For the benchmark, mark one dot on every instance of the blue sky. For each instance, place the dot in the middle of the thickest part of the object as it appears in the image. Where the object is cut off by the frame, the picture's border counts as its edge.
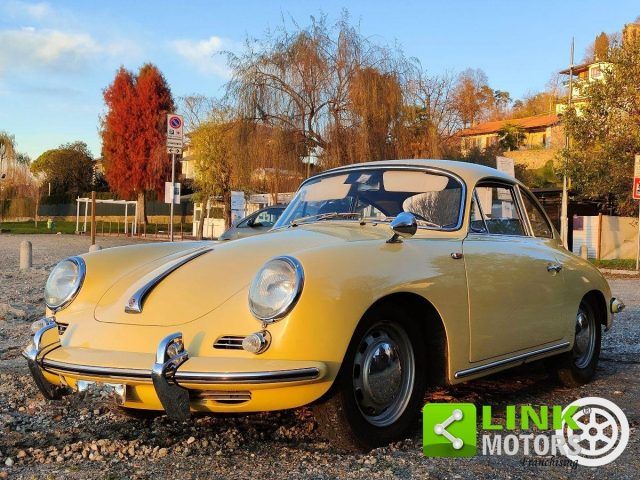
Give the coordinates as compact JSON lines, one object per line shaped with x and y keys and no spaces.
{"x":57,"y":57}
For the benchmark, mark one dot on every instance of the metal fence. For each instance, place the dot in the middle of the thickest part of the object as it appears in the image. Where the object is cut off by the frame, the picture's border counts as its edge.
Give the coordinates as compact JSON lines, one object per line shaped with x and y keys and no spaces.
{"x":25,"y":208}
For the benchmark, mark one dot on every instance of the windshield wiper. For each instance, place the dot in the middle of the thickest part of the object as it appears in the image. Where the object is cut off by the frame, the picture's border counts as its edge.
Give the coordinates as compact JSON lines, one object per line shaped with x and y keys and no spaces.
{"x":324,"y":216}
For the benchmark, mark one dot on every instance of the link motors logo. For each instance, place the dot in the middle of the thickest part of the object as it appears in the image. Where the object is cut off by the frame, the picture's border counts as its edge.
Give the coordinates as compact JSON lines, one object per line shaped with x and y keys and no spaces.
{"x":591,"y":431}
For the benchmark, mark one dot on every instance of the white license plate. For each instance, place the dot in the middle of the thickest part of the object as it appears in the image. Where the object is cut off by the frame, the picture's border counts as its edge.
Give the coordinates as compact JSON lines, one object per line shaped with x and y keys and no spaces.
{"x":115,"y":390}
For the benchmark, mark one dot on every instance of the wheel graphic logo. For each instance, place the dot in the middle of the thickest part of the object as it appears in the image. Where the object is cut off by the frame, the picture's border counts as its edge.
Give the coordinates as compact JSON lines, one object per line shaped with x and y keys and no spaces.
{"x":602,"y":435}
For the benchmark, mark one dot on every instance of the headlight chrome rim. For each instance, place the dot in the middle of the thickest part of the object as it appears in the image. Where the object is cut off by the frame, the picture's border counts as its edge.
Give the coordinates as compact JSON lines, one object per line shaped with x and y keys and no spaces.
{"x":77,"y":284}
{"x":282,"y":312}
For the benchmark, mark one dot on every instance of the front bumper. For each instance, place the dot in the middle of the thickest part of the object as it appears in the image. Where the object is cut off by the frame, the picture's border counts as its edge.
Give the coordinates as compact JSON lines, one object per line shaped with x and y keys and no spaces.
{"x":174,"y":382}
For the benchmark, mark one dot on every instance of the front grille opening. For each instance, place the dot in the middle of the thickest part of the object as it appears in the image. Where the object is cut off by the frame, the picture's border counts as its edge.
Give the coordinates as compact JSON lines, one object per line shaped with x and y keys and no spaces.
{"x":221,"y":396}
{"x":62,"y":327}
{"x":229,"y":342}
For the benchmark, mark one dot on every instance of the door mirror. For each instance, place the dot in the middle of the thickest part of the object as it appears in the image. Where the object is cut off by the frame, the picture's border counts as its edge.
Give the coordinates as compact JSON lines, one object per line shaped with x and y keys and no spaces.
{"x":403,"y":226}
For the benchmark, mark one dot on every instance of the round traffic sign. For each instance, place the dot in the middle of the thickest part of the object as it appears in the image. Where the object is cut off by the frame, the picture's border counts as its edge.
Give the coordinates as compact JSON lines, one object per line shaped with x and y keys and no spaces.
{"x":175,"y":122}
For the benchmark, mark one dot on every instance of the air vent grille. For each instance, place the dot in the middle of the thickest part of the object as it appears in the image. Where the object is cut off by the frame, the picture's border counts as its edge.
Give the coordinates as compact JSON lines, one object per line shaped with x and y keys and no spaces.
{"x":222,"y":396}
{"x":229,"y":342}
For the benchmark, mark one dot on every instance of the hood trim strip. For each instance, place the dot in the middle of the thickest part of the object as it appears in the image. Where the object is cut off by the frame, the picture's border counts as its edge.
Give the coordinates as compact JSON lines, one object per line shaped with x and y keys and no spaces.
{"x":136,"y":302}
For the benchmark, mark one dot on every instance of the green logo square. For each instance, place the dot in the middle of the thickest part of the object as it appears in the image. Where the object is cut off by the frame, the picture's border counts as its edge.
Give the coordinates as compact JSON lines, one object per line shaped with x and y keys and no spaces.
{"x":449,"y":429}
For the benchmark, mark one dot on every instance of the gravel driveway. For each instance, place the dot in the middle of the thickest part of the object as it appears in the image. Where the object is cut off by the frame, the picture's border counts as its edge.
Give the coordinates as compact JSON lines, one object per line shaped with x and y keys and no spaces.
{"x":88,"y":438}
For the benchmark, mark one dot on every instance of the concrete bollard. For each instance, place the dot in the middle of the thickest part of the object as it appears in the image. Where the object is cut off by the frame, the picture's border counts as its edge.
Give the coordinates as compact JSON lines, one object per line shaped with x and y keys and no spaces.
{"x":25,"y":255}
{"x":584,"y":253}
{"x":95,"y":248}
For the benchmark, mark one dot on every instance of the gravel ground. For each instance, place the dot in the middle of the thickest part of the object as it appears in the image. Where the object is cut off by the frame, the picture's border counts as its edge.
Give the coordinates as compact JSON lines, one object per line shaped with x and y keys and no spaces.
{"x":88,"y":438}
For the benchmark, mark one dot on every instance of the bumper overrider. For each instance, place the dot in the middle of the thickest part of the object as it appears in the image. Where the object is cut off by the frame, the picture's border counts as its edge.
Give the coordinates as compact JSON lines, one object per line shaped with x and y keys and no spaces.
{"x":168,"y":374}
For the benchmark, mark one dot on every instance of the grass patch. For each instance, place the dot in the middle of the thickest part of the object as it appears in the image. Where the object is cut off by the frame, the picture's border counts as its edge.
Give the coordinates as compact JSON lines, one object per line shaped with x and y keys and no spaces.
{"x":616,"y":264}
{"x":29,"y":227}
{"x":102,"y":228}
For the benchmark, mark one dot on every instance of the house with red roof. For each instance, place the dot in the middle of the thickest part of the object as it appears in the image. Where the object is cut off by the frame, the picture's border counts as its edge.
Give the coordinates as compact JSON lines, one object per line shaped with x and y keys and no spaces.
{"x":542,"y":133}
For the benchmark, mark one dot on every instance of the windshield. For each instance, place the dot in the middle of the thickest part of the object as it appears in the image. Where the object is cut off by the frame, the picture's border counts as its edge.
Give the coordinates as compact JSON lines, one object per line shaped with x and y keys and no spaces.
{"x":378,"y":194}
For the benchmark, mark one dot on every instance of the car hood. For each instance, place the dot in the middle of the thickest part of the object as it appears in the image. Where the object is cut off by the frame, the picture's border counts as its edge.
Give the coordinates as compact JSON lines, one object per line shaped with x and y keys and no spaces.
{"x":204,"y":283}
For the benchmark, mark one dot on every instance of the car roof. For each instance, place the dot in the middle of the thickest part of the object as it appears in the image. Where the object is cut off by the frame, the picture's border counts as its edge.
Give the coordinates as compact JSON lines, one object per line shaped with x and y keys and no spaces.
{"x":469,"y":172}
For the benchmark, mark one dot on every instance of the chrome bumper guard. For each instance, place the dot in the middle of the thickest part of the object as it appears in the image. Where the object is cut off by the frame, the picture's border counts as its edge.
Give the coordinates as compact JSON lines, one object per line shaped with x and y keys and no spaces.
{"x":31,"y":353}
{"x":169,"y":356}
{"x":165,"y":376}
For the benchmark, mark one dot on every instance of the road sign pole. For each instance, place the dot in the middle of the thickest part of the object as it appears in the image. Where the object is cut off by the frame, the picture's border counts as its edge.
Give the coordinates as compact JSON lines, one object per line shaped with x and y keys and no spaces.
{"x":638,"y":250}
{"x":173,"y":190}
{"x":635,"y":194}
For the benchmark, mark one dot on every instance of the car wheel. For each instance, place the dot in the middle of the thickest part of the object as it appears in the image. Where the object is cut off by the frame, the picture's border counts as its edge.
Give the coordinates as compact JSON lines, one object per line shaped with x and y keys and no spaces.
{"x":578,"y":366}
{"x":377,"y":396}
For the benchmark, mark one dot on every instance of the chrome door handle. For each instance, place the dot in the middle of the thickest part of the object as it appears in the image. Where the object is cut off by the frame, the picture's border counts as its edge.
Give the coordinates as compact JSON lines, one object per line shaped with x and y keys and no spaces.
{"x":554,"y":267}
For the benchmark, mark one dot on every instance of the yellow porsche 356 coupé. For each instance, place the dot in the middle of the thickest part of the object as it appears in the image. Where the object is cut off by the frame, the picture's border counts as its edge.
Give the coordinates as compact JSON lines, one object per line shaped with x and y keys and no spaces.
{"x":378,"y":280}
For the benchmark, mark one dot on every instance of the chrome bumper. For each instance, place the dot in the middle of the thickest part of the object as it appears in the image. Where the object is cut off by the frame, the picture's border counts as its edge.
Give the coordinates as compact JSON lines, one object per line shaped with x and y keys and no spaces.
{"x":31,"y":353}
{"x":165,"y":373}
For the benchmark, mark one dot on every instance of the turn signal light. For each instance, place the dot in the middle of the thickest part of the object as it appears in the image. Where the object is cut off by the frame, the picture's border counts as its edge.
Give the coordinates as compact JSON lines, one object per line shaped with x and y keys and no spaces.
{"x":256,"y":342}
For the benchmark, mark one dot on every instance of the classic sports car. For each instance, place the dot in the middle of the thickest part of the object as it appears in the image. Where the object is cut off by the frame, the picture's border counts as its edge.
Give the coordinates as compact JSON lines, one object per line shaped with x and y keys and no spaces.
{"x":378,"y":280}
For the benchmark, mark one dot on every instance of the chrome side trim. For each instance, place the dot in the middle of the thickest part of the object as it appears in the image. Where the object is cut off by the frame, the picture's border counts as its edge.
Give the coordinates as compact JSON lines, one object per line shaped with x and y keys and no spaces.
{"x":523,"y":357}
{"x":276,"y":376}
{"x":135,"y":303}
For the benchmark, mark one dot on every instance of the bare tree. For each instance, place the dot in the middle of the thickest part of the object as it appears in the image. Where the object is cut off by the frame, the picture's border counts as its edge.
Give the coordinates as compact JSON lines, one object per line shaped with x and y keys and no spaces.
{"x":434,"y":120}
{"x":305,"y":81}
{"x":196,"y":109}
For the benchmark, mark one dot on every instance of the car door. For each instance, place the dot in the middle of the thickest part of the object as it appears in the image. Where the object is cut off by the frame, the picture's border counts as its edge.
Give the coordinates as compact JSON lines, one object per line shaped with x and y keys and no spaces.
{"x":515,"y":293}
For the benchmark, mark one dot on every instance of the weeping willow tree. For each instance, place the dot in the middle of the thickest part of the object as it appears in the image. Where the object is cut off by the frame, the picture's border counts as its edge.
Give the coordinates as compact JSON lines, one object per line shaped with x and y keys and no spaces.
{"x":331,"y":92}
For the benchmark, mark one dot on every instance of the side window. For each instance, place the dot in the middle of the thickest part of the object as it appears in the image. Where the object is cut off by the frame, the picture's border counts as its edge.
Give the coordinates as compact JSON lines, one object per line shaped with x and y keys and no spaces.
{"x":539,"y":224}
{"x":499,"y":209}
{"x":245,"y":223}
{"x":266,"y":218}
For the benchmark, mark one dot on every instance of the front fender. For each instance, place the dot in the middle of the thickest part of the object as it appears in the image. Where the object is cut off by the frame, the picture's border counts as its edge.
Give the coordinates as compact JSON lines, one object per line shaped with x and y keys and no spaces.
{"x":341,"y":284}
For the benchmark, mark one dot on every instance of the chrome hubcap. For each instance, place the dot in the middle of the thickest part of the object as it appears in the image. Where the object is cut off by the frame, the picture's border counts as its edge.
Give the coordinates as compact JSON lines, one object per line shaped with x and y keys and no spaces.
{"x":585,"y":339}
{"x":383,"y":374}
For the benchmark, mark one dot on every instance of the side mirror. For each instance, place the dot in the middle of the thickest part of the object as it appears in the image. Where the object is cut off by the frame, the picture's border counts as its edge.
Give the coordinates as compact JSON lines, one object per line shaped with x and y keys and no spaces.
{"x":403,"y":226}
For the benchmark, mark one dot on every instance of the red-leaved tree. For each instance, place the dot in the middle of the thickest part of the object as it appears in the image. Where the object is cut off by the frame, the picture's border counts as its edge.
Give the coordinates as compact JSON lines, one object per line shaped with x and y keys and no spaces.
{"x":134,"y":133}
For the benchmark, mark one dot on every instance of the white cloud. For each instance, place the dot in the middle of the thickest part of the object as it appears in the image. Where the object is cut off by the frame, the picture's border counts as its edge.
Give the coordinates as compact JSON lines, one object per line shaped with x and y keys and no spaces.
{"x":205,"y":55}
{"x":29,"y":49}
{"x":34,"y":11}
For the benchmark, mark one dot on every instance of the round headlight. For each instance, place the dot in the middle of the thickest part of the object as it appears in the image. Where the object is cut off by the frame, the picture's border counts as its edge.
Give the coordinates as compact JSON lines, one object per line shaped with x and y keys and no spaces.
{"x":64,"y":282}
{"x":276,"y":289}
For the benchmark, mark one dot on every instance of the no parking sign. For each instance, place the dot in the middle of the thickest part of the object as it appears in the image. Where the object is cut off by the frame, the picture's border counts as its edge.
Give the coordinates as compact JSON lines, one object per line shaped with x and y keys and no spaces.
{"x":175,"y":133}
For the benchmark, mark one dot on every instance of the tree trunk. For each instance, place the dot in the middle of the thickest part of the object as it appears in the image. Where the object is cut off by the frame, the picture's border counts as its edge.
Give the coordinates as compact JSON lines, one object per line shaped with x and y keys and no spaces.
{"x":276,"y":186}
{"x":199,"y":235}
{"x":142,"y":209}
{"x":35,"y":216}
{"x":226,"y":200}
